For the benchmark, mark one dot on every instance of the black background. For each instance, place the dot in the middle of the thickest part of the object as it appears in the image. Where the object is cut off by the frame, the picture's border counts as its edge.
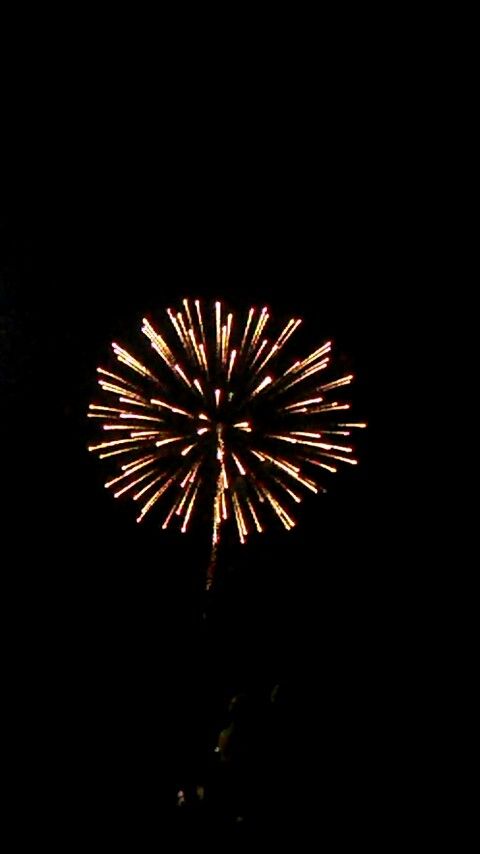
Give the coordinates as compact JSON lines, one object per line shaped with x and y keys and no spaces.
{"x":118,"y":680}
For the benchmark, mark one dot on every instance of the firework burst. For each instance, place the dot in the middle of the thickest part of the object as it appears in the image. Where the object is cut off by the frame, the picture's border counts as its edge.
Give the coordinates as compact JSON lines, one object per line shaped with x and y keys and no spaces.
{"x":216,"y":414}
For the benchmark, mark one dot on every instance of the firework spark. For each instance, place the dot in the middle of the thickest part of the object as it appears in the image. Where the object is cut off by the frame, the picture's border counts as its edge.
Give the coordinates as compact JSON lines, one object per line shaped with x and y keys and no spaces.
{"x":215,"y":413}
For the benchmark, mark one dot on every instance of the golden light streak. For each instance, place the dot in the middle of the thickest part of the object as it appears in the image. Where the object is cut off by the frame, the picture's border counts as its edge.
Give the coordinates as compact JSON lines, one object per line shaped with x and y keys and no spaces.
{"x":352,"y":425}
{"x":303,"y":403}
{"x":130,"y":471}
{"x":343,"y":459}
{"x":187,"y":450}
{"x":189,"y":509}
{"x":217,"y":396}
{"x":166,"y":441}
{"x":121,"y":451}
{"x":133,"y":416}
{"x":109,"y":444}
{"x":145,"y":433}
{"x":203,"y":430}
{"x":183,"y":375}
{"x":167,"y":520}
{"x":255,"y":517}
{"x":148,"y":506}
{"x":113,"y":376}
{"x":145,"y":489}
{"x":262,"y":320}
{"x":187,"y":311}
{"x":238,"y":464}
{"x":242,"y":424}
{"x":224,"y":344}
{"x":198,"y":387}
{"x":230,"y":367}
{"x":224,"y":507}
{"x":178,"y":511}
{"x":218,"y":322}
{"x":337,"y":383}
{"x":319,"y":463}
{"x":125,"y":357}
{"x":198,"y":355}
{"x":247,"y":327}
{"x":135,"y":402}
{"x":106,"y":408}
{"x":258,"y":353}
{"x":130,"y":485}
{"x":265,"y":382}
{"x":229,"y":332}
{"x":170,"y":407}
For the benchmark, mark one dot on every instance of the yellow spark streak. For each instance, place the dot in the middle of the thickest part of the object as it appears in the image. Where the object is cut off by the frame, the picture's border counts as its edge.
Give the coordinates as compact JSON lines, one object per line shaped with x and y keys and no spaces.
{"x":147,"y":487}
{"x":288,"y":334}
{"x":115,"y":389}
{"x":203,"y":352}
{"x":166,"y":441}
{"x":106,"y":408}
{"x":259,"y":455}
{"x":331,"y":407}
{"x":322,"y":465}
{"x":293,"y":367}
{"x":157,"y":342}
{"x":229,"y":332}
{"x":336,"y":433}
{"x":95,"y":415}
{"x":262,"y":320}
{"x":134,"y":402}
{"x":167,"y":520}
{"x":200,"y":322}
{"x":286,"y":520}
{"x":224,"y":506}
{"x":255,"y":517}
{"x":170,"y":407}
{"x":121,"y":451}
{"x":262,"y":385}
{"x":109,"y":444}
{"x":133,"y":467}
{"x":242,"y":424}
{"x":132,"y":416}
{"x":230,"y":367}
{"x":125,"y":357}
{"x":320,"y":367}
{"x":113,"y":376}
{"x":288,"y":467}
{"x":309,"y":435}
{"x":185,"y":339}
{"x":238,"y":464}
{"x":303,"y":403}
{"x":337,"y":383}
{"x":239,"y":519}
{"x":343,"y":459}
{"x":218,"y":322}
{"x":203,"y":417}
{"x":247,"y":326}
{"x":257,"y":354}
{"x":198,"y":387}
{"x":178,"y":511}
{"x":183,"y":376}
{"x":195,"y":347}
{"x":118,"y":426}
{"x":175,"y":324}
{"x":217,"y":396}
{"x":203,"y":430}
{"x":195,"y":470}
{"x":224,"y":344}
{"x":187,"y":311}
{"x":352,"y":425}
{"x":290,"y":492}
{"x":189,"y":509}
{"x":145,"y":433}
{"x":129,"y":485}
{"x":146,"y":507}
{"x":187,"y":450}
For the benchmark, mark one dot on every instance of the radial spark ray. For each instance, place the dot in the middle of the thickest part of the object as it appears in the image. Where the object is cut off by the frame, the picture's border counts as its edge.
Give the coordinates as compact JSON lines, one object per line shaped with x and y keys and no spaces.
{"x":218,"y":413}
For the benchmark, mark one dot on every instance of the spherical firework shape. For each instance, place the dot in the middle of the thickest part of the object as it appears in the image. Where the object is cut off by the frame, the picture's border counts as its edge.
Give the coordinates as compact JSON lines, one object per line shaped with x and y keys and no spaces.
{"x":219,"y":413}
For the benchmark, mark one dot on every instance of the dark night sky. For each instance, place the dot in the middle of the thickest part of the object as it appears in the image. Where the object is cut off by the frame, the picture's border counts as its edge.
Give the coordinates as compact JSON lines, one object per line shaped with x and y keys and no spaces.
{"x":106,"y":629}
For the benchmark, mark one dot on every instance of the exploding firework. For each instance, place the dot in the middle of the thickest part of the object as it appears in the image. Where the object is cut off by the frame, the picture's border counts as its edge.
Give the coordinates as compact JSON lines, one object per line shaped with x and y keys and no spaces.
{"x":216,"y":415}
